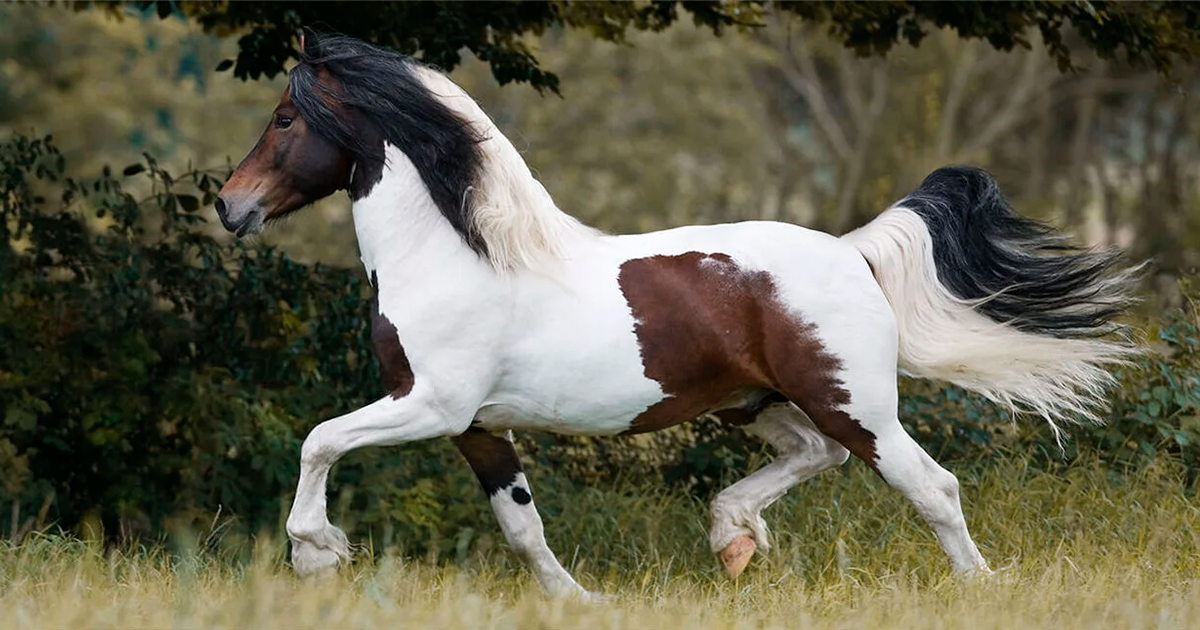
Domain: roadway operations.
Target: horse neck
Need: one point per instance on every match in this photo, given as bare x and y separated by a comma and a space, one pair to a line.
519, 221
401, 234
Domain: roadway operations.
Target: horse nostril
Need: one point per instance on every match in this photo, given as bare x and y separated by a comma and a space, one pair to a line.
220, 203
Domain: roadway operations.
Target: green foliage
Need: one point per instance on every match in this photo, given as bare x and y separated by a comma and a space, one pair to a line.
437, 32
1157, 412
1155, 33
149, 373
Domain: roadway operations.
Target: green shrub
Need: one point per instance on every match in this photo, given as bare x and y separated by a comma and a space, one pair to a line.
1157, 411
149, 375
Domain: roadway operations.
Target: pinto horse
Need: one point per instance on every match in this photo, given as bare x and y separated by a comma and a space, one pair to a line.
495, 311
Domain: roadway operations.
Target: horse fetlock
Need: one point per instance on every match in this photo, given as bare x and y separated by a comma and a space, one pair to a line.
731, 521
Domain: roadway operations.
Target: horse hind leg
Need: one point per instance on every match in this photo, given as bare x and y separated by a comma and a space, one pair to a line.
853, 399
737, 525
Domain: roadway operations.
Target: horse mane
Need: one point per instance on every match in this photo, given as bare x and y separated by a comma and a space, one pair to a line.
475, 176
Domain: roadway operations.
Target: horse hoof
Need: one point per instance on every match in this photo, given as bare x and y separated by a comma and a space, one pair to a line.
736, 555
596, 599
310, 561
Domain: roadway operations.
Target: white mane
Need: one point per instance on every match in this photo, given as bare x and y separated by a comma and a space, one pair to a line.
512, 211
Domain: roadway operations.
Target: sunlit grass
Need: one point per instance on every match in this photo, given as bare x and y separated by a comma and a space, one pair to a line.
1084, 549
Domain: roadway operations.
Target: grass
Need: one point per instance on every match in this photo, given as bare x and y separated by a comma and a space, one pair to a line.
1081, 549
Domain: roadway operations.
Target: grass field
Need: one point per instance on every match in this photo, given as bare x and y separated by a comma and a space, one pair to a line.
1081, 549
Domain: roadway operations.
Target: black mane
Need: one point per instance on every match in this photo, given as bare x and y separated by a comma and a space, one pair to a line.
381, 98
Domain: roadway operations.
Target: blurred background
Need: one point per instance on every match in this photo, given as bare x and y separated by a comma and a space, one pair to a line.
156, 377
677, 127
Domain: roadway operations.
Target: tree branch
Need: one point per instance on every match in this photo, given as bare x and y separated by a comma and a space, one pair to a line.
801, 74
955, 92
1013, 109
852, 178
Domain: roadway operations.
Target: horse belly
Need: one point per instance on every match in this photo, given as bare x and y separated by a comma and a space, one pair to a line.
583, 399
577, 370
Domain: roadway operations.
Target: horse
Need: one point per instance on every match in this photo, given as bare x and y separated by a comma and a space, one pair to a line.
495, 311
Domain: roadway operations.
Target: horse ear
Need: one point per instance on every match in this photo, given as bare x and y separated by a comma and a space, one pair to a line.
300, 33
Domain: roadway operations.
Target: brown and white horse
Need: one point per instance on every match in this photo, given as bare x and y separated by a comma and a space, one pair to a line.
497, 311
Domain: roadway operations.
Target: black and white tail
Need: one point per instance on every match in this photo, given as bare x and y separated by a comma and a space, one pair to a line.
995, 302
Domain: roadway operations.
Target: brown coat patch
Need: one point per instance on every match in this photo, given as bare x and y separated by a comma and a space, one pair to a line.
494, 461
708, 328
394, 369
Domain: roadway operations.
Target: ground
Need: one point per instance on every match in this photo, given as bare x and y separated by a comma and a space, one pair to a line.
1080, 548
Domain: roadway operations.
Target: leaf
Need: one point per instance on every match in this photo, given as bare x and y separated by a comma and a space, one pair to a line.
20, 419
189, 202
134, 169
224, 65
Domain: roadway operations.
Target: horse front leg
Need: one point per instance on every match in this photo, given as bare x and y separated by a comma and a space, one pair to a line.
495, 462
317, 545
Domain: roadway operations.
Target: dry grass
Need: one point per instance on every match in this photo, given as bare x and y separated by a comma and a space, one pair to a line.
1079, 550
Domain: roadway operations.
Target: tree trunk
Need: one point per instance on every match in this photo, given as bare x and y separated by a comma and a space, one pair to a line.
1081, 144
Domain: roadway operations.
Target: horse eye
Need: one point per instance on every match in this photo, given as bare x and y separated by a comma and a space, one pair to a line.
283, 122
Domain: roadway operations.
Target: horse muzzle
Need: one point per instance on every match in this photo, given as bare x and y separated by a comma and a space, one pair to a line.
239, 217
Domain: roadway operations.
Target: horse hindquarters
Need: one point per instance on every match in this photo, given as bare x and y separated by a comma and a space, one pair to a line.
982, 298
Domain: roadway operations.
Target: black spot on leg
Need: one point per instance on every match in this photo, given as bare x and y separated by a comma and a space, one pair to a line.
492, 457
521, 496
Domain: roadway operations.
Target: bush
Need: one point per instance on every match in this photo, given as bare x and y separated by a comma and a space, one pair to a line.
149, 375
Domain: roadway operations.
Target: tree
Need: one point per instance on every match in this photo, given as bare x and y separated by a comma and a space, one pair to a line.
1158, 34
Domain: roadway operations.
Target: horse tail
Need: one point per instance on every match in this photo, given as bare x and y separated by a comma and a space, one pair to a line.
997, 303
